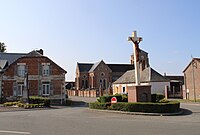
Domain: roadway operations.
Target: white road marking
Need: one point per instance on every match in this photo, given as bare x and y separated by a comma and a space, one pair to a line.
15, 132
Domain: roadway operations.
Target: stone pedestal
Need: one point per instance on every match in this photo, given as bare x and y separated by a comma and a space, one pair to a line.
139, 93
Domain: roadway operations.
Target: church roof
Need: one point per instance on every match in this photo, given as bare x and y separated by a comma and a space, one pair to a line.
147, 75
90, 67
84, 67
95, 65
120, 67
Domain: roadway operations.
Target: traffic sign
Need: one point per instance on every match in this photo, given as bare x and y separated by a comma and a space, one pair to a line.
113, 100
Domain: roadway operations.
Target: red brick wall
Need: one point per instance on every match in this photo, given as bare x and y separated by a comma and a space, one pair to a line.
135, 93
33, 87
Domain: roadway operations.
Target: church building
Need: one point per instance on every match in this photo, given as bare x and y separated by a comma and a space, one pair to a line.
95, 79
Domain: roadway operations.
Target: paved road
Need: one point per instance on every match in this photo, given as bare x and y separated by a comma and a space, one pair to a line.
81, 121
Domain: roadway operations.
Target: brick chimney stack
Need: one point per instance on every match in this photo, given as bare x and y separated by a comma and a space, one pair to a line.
40, 51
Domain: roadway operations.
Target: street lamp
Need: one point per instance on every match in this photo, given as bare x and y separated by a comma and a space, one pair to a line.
26, 85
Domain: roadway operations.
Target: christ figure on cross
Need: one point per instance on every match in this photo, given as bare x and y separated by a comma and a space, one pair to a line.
136, 40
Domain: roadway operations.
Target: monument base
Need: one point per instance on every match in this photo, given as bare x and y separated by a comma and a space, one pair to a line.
141, 93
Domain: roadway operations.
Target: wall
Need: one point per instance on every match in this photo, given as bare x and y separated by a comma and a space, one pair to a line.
189, 84
159, 87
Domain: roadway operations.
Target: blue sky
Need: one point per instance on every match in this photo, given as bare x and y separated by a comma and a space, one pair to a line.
71, 31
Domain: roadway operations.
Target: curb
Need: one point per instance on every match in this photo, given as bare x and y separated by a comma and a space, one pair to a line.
140, 113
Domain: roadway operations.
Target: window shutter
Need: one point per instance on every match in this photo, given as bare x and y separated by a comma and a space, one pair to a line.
15, 89
50, 69
40, 69
26, 68
51, 89
40, 89
15, 71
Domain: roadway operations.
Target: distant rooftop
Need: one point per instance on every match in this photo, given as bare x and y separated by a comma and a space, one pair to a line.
11, 57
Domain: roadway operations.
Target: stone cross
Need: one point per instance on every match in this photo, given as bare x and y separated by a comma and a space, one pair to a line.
136, 40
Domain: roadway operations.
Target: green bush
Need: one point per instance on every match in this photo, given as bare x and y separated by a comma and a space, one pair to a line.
155, 98
97, 105
148, 107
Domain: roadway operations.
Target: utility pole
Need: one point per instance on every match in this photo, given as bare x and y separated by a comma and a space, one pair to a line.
193, 79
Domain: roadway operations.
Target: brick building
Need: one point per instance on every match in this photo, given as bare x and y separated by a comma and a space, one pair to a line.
45, 77
95, 79
192, 79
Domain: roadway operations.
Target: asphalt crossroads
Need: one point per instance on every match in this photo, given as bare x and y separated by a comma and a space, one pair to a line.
82, 121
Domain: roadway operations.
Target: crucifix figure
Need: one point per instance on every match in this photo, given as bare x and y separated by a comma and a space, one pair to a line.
136, 40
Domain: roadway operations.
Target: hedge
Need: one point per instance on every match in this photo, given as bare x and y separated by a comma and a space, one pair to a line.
148, 107
97, 105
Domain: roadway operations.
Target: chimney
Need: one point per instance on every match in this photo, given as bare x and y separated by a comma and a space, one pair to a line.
165, 74
40, 51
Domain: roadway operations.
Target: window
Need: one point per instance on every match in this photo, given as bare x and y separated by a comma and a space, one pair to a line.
46, 88
83, 83
124, 90
101, 83
45, 70
102, 74
104, 84
20, 89
21, 70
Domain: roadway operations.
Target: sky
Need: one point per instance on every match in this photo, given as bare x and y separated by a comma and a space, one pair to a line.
87, 31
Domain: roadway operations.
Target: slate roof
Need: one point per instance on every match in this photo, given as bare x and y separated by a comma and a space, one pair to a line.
3, 64
94, 66
90, 67
11, 57
84, 67
34, 53
120, 67
147, 75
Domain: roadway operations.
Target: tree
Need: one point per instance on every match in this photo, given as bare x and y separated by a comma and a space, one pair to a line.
2, 47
